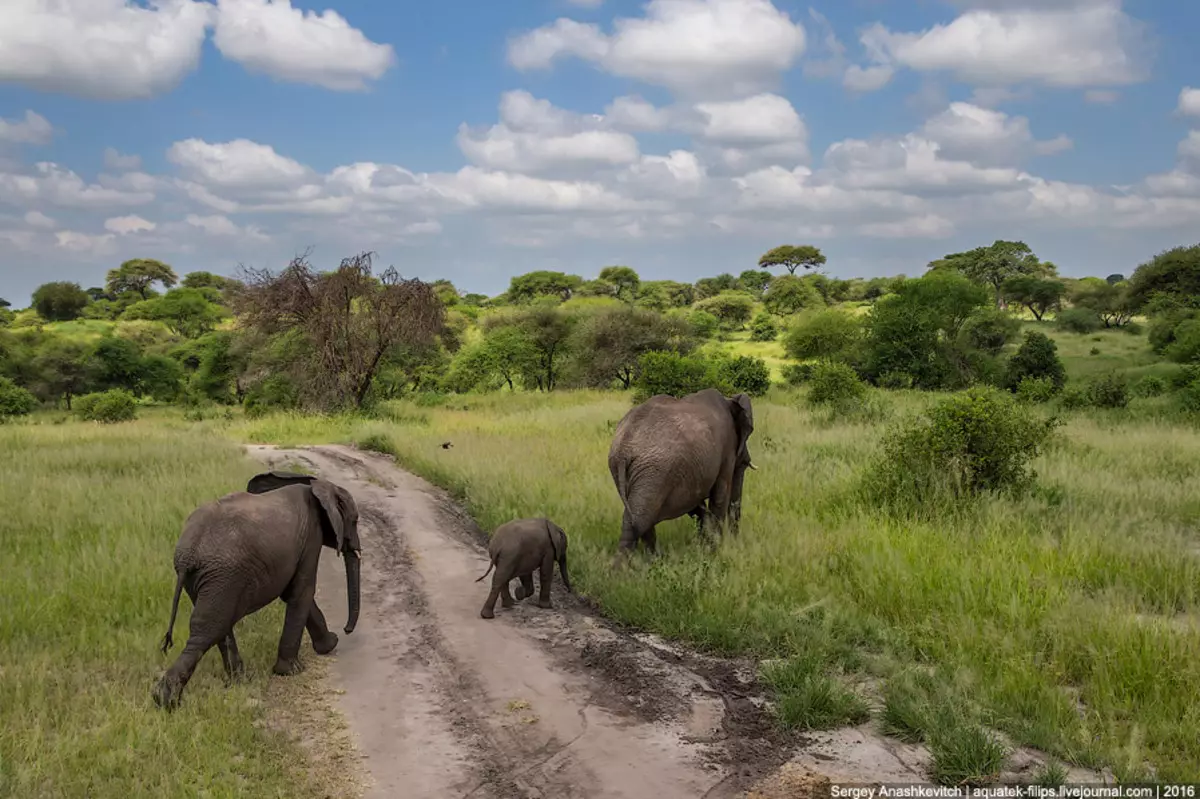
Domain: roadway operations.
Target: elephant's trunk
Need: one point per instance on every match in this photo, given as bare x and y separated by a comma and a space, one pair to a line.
352, 589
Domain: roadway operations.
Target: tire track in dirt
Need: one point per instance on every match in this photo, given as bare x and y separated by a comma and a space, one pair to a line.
536, 703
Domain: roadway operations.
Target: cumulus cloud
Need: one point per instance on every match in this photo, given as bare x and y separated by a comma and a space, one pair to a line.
32, 129
703, 48
237, 164
74, 241
39, 220
967, 132
1061, 44
867, 79
51, 184
1189, 101
290, 44
126, 225
114, 160
102, 49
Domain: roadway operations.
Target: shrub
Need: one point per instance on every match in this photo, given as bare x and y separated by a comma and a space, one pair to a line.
896, 380
1110, 391
274, 393
675, 375
1037, 357
763, 328
745, 373
704, 323
980, 440
1094, 351
989, 330
1078, 320
1149, 386
14, 400
1185, 345
835, 384
1073, 398
1188, 398
830, 334
109, 407
797, 374
1035, 389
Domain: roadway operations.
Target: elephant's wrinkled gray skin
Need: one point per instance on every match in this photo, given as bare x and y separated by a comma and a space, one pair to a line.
517, 549
671, 457
241, 552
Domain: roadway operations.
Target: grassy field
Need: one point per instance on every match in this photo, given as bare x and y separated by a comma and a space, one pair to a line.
91, 515
1067, 620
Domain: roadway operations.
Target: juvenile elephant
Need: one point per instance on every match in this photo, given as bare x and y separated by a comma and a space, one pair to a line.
517, 549
670, 457
239, 553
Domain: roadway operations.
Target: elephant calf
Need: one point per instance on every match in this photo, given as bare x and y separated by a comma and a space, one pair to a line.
517, 549
241, 552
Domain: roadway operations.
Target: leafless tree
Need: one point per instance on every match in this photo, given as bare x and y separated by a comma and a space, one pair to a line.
348, 320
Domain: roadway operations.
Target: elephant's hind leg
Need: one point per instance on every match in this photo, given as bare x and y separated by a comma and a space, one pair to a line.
545, 575
211, 623
235, 669
632, 533
499, 584
299, 602
525, 589
323, 641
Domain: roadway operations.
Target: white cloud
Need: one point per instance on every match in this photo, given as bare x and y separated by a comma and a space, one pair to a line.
1189, 101
702, 48
84, 243
236, 164
637, 114
290, 44
761, 119
966, 132
121, 163
52, 184
33, 129
867, 79
101, 49
1065, 44
125, 225
217, 225
1189, 148
39, 220
1101, 96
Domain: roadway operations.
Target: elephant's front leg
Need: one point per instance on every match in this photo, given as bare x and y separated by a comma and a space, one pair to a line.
323, 640
545, 575
718, 504
525, 589
299, 603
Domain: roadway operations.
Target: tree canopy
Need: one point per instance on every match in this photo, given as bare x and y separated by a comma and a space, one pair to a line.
792, 256
138, 275
59, 301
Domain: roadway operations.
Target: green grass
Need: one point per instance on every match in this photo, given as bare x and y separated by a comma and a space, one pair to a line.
91, 516
1069, 616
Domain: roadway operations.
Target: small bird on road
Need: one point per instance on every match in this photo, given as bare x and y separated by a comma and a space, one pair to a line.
447, 445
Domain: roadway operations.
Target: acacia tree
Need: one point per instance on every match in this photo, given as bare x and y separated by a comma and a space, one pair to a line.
624, 280
1037, 294
996, 263
349, 319
791, 257
138, 275
60, 301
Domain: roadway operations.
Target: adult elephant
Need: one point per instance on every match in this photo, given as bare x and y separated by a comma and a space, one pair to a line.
673, 456
239, 553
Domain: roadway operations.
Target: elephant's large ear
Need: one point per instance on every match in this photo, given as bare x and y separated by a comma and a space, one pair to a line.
269, 481
743, 417
341, 512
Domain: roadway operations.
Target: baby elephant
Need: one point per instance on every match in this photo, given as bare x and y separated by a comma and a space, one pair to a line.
517, 549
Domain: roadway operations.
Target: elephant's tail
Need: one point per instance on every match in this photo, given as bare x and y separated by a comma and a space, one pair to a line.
491, 566
168, 641
623, 485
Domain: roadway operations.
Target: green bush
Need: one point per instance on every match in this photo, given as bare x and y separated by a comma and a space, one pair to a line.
1188, 398
704, 323
896, 380
1078, 320
980, 440
1036, 357
763, 328
109, 407
1185, 346
831, 334
1109, 391
745, 373
834, 384
1073, 398
675, 375
14, 400
276, 393
797, 374
1035, 390
1183, 377
989, 330
1149, 386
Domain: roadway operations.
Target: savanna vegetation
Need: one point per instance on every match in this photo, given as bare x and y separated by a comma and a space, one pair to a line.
972, 521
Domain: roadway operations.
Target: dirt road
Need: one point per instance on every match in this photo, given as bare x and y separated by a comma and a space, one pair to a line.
535, 703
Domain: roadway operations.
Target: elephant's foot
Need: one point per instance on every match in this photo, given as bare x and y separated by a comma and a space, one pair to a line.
288, 668
508, 601
237, 675
520, 593
167, 693
326, 644
545, 603
487, 613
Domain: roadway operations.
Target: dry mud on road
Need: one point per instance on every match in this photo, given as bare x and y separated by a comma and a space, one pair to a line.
536, 703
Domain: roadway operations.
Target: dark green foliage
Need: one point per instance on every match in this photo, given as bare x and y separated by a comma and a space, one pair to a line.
797, 374
610, 342
789, 294
1185, 342
712, 286
834, 384
704, 323
1073, 398
831, 334
1036, 390
186, 312
525, 288
61, 369
992, 265
1078, 320
623, 280
1173, 273
1113, 303
1188, 398
1038, 294
160, 377
979, 440
1149, 386
59, 301
138, 275
733, 308
1109, 391
1183, 376
791, 257
108, 407
115, 363
763, 328
895, 380
14, 400
276, 393
1036, 357
989, 330
217, 369
541, 345
675, 375
745, 373
755, 281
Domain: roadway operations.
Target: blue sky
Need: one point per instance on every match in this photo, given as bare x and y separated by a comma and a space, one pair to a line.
475, 141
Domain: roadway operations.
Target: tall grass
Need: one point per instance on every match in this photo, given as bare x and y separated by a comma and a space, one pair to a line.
1066, 618
91, 515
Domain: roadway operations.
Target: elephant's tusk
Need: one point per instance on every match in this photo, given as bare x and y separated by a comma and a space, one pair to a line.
751, 466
